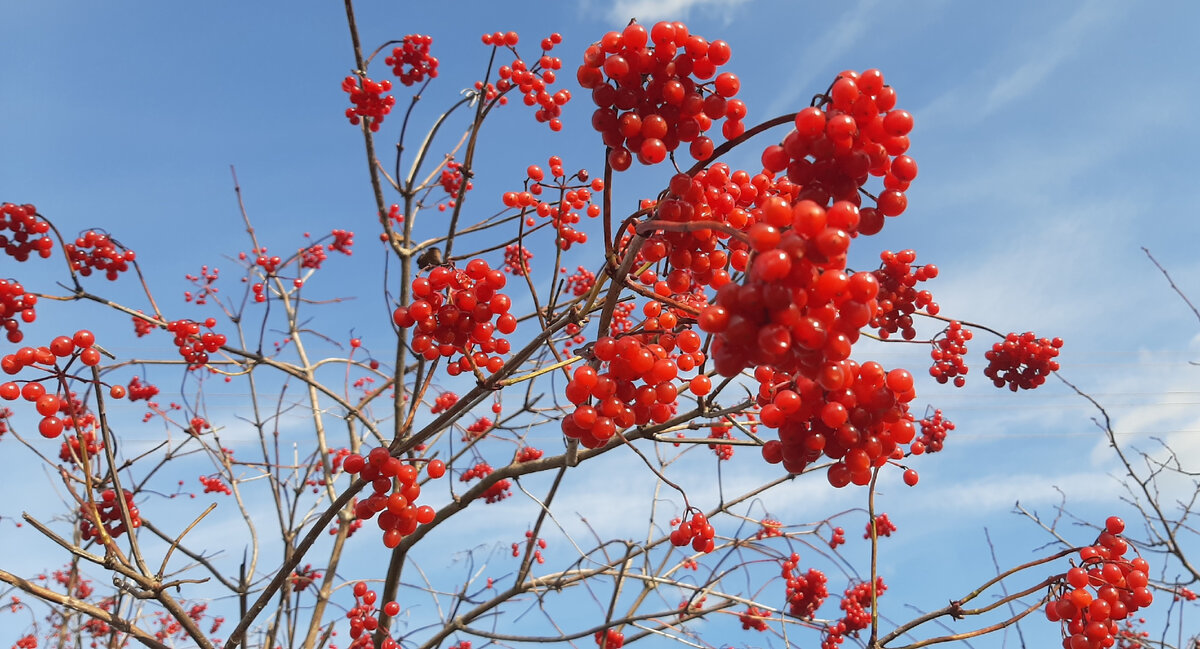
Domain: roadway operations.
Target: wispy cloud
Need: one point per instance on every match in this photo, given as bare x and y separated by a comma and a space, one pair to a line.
648, 10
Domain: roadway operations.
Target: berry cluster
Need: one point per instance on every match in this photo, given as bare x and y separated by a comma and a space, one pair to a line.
948, 350
28, 232
194, 346
50, 404
14, 303
443, 402
804, 592
396, 490
619, 402
368, 102
837, 538
883, 526
855, 133
754, 618
363, 621
452, 313
609, 639
1121, 587
898, 298
83, 443
516, 260
204, 285
304, 577
97, 251
498, 491
411, 61
139, 391
855, 602
537, 554
1022, 361
478, 429
108, 513
571, 195
696, 532
528, 454
533, 83
451, 182
651, 92
214, 484
855, 415
933, 434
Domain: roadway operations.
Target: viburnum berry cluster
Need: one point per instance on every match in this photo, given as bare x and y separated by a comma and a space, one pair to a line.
452, 316
369, 102
516, 259
107, 514
1022, 361
754, 618
443, 402
97, 251
214, 484
949, 347
193, 345
16, 306
696, 531
411, 61
898, 298
855, 604
395, 492
883, 526
533, 82
363, 620
537, 553
568, 196
29, 232
652, 92
804, 592
497, 491
1104, 589
933, 433
49, 359
609, 639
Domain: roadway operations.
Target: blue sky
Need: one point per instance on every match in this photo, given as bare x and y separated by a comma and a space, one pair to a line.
1054, 140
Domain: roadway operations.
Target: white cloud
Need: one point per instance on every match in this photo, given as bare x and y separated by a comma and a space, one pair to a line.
650, 10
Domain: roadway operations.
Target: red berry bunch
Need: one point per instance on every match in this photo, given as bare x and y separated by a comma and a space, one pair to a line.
214, 484
652, 92
452, 315
722, 451
477, 429
537, 554
528, 454
50, 404
767, 528
109, 514
451, 182
610, 639
28, 232
5, 414
75, 447
363, 621
368, 100
837, 538
1022, 361
204, 285
313, 256
855, 602
497, 491
855, 415
580, 282
898, 298
533, 82
696, 532
854, 133
609, 400
193, 345
569, 196
516, 260
933, 433
1103, 590
97, 251
948, 350
754, 618
142, 326
342, 242
304, 577
15, 303
443, 402
139, 391
411, 61
395, 492
804, 592
28, 641
883, 526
